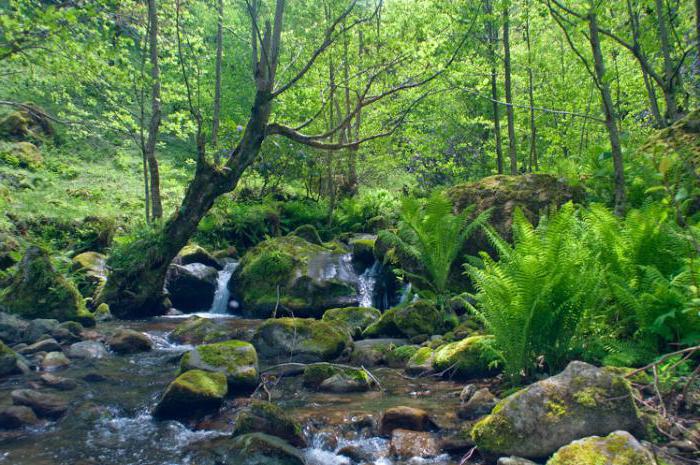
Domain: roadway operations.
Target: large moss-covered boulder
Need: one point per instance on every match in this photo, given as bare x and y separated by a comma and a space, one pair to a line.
334, 378
21, 155
198, 330
353, 319
248, 449
38, 291
196, 254
191, 287
532, 193
90, 271
363, 250
302, 340
471, 357
293, 276
191, 395
237, 360
416, 318
268, 418
421, 362
618, 448
581, 401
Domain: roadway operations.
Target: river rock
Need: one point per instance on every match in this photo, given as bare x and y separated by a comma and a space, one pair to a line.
478, 405
514, 461
90, 269
68, 332
581, 401
192, 394
87, 350
17, 416
412, 319
421, 362
191, 287
300, 340
402, 417
12, 328
128, 341
266, 417
54, 361
373, 352
237, 360
618, 448
363, 250
38, 290
471, 357
39, 327
193, 253
43, 404
295, 277
406, 444
198, 330
339, 379
353, 319
9, 361
249, 449
57, 382
44, 345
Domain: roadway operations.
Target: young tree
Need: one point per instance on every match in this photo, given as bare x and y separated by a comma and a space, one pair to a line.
510, 112
135, 286
492, 32
154, 126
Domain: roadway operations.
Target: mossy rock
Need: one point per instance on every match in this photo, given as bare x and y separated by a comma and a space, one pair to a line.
21, 155
398, 357
192, 394
618, 448
469, 358
198, 330
363, 251
27, 123
421, 362
90, 272
416, 318
335, 378
248, 449
289, 274
301, 340
536, 421
92, 233
8, 361
10, 253
194, 253
268, 418
238, 360
353, 319
309, 233
38, 291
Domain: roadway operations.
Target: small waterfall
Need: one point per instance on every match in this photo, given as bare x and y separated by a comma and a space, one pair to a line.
367, 281
405, 293
221, 296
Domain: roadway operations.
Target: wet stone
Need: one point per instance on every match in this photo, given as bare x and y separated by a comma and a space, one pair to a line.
43, 404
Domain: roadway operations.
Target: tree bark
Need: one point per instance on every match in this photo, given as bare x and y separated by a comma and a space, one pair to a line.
493, 46
669, 78
217, 84
154, 126
531, 95
609, 111
509, 95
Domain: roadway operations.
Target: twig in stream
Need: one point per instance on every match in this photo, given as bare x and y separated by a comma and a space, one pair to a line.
467, 456
373, 378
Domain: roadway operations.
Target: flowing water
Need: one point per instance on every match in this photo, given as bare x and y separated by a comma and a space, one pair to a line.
109, 419
221, 296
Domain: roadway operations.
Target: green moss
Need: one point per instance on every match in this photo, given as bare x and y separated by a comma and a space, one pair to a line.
615, 449
238, 360
21, 155
494, 433
421, 356
266, 417
469, 357
555, 410
202, 383
403, 353
309, 233
354, 319
198, 330
590, 397
317, 373
413, 319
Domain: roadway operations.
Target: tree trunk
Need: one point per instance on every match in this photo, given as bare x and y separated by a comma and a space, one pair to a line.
509, 96
493, 46
154, 126
531, 94
217, 85
610, 118
669, 80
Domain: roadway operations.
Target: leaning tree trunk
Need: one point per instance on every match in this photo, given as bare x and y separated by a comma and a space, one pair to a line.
610, 119
509, 92
154, 126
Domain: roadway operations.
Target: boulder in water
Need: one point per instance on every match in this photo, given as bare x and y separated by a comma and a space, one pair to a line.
198, 330
90, 268
37, 290
237, 360
192, 394
191, 254
191, 287
372, 352
87, 350
334, 378
12, 328
128, 341
300, 340
406, 444
479, 404
413, 319
43, 345
57, 382
363, 251
293, 276
354, 319
536, 421
8, 361
402, 417
469, 358
54, 361
44, 405
248, 449
421, 362
17, 416
618, 448
268, 418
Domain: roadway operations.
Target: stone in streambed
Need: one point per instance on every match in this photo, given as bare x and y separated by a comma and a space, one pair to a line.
44, 345
402, 417
334, 378
191, 287
57, 382
469, 358
581, 401
268, 418
9, 361
479, 404
353, 319
618, 448
192, 394
198, 330
54, 361
237, 360
249, 449
409, 320
406, 444
44, 405
17, 416
87, 350
128, 341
